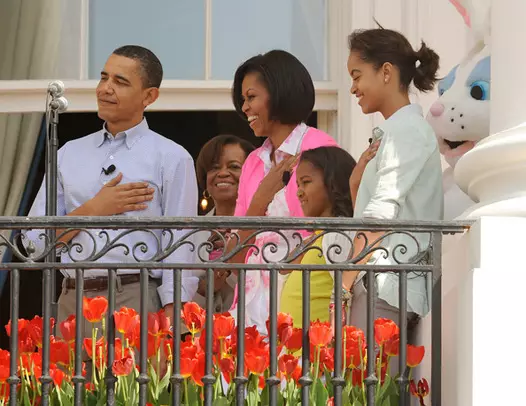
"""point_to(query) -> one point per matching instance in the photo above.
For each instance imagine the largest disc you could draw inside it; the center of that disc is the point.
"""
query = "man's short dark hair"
(152, 70)
(288, 82)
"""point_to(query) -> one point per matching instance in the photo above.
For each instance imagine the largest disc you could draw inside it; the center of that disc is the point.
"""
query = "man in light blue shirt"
(123, 169)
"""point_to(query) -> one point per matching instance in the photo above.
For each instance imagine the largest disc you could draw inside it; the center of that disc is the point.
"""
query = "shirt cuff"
(189, 286)
(381, 210)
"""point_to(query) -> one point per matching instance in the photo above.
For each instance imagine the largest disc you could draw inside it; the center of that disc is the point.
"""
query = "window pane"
(173, 30)
(244, 28)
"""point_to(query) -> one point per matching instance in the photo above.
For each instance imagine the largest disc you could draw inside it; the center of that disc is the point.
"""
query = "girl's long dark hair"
(337, 166)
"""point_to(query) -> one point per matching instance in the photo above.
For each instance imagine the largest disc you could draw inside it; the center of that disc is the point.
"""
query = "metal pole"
(57, 105)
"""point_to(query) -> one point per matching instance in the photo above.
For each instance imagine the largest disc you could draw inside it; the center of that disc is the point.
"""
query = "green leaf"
(164, 398)
(328, 379)
(281, 399)
(252, 398)
(221, 401)
(345, 397)
(166, 379)
(193, 394)
(320, 395)
(388, 389)
(91, 399)
(357, 403)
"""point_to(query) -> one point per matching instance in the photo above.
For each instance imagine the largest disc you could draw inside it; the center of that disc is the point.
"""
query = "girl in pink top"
(275, 93)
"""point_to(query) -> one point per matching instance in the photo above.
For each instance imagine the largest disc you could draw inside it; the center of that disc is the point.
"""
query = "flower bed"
(192, 360)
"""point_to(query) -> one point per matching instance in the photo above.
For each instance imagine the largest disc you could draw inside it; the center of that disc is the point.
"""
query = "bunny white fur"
(460, 116)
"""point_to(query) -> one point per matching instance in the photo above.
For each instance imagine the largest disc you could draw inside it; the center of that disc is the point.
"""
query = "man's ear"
(151, 95)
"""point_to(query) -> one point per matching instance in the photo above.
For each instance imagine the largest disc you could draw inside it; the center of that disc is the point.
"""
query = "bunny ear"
(477, 16)
(459, 5)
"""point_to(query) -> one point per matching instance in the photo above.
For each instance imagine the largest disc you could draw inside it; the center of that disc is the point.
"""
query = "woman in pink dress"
(274, 92)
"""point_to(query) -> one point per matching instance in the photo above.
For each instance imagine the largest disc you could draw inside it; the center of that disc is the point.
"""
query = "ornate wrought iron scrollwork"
(278, 246)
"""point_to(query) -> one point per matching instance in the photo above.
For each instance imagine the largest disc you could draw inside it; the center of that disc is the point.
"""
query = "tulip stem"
(362, 360)
(93, 357)
(379, 372)
(186, 391)
(344, 352)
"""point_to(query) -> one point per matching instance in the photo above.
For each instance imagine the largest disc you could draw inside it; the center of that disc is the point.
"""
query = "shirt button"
(111, 156)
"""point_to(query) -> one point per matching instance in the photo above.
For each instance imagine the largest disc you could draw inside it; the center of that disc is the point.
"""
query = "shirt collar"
(290, 146)
(132, 135)
(406, 110)
(398, 115)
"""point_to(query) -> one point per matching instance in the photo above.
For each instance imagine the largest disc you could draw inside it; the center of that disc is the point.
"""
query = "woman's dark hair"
(380, 45)
(211, 152)
(288, 83)
(337, 166)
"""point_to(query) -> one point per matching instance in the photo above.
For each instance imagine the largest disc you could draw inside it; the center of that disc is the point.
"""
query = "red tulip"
(125, 319)
(202, 342)
(257, 361)
(194, 317)
(35, 329)
(357, 377)
(59, 352)
(287, 364)
(415, 355)
(188, 349)
(296, 375)
(199, 369)
(100, 350)
(123, 366)
(22, 325)
(158, 324)
(353, 337)
(67, 329)
(420, 391)
(187, 366)
(25, 342)
(295, 341)
(261, 382)
(227, 367)
(95, 308)
(5, 359)
(352, 357)
(57, 375)
(252, 338)
(120, 351)
(284, 327)
(223, 325)
(32, 363)
(384, 330)
(392, 347)
(320, 334)
(327, 359)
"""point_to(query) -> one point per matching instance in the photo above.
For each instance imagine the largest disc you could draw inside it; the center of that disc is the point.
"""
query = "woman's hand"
(269, 186)
(357, 173)
(367, 155)
(220, 277)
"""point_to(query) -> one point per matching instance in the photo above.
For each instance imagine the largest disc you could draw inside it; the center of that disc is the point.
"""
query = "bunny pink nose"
(437, 109)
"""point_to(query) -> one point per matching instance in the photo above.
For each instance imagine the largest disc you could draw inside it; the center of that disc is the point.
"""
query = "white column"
(484, 296)
(494, 172)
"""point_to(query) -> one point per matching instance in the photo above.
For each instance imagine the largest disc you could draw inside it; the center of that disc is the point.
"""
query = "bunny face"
(460, 117)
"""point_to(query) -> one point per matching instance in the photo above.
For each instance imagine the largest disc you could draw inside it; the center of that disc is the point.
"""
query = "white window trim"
(25, 96)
